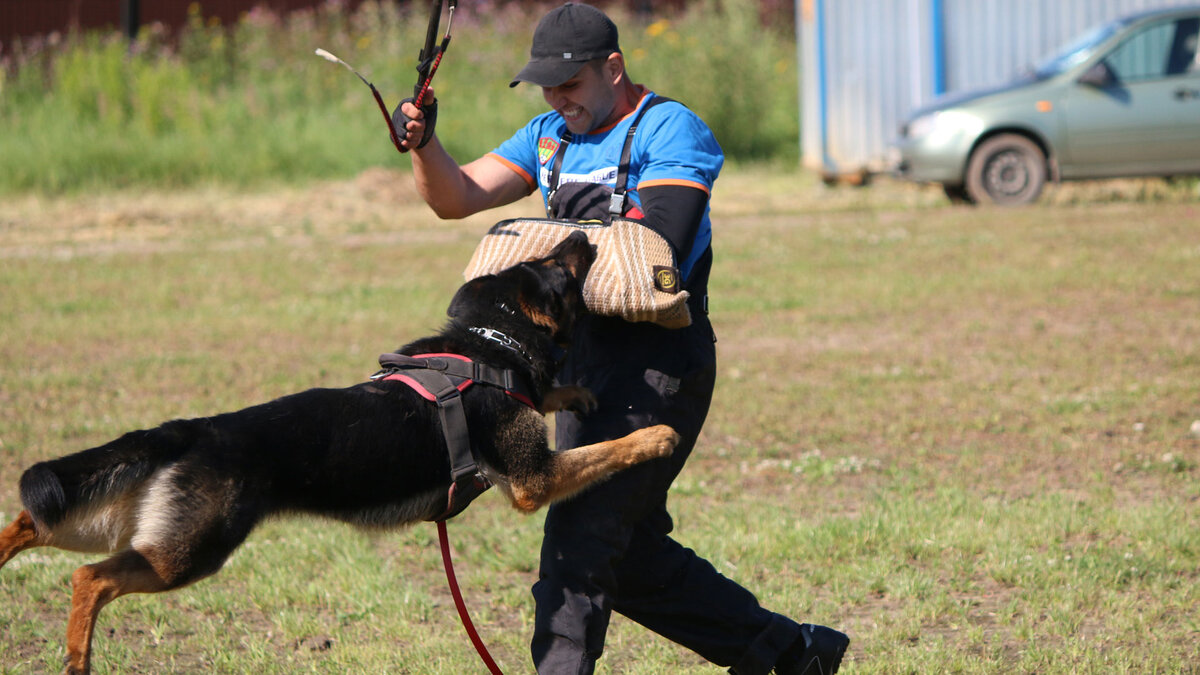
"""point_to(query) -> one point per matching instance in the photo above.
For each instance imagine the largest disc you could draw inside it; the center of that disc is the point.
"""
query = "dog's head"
(547, 292)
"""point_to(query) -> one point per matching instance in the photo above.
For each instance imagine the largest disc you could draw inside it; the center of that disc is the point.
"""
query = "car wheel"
(1008, 170)
(957, 194)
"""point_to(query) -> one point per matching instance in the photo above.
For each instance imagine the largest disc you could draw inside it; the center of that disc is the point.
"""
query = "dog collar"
(501, 339)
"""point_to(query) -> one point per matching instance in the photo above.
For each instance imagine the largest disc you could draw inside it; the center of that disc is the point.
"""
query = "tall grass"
(251, 104)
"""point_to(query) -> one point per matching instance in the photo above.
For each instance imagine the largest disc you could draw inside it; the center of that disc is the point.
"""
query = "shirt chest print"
(546, 148)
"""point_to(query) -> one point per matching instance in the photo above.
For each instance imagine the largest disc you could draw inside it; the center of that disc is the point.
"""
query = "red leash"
(458, 601)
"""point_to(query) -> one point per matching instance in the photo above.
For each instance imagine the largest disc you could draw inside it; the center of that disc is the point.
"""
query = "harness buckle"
(616, 203)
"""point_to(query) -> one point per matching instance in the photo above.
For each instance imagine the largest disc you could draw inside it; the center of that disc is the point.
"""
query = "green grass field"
(967, 437)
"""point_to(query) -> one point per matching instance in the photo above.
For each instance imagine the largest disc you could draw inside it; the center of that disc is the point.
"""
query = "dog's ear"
(576, 253)
(464, 299)
(539, 298)
(551, 292)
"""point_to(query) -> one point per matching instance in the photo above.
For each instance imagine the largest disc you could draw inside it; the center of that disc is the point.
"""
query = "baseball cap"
(563, 41)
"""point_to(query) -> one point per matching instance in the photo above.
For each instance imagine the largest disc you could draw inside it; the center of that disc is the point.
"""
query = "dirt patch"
(380, 206)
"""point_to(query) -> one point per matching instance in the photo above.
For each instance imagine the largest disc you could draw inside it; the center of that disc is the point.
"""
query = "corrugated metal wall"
(866, 64)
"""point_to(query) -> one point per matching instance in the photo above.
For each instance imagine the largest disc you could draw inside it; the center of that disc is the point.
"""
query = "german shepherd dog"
(172, 503)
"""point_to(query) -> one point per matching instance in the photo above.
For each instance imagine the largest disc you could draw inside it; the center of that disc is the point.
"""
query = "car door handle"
(1185, 94)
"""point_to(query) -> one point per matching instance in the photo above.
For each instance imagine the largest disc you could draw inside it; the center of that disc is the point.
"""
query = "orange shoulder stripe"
(676, 182)
(518, 170)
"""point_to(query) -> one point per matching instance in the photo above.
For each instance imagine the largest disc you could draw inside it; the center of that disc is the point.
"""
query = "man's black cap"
(564, 40)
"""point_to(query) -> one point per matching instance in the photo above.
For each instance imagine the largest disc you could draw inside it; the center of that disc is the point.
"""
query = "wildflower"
(657, 28)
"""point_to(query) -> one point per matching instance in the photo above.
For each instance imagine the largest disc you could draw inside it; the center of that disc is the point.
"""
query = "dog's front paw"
(656, 441)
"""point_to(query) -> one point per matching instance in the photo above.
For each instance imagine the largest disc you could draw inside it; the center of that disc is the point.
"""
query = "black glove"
(400, 120)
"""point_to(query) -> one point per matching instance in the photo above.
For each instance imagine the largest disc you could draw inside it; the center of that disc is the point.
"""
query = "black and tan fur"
(172, 503)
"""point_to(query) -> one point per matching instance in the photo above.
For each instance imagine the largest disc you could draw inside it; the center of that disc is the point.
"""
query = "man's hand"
(415, 125)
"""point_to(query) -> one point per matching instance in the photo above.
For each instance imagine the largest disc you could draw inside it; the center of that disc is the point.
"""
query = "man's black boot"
(818, 651)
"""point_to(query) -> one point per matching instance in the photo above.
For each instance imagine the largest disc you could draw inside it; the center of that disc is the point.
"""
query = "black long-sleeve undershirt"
(675, 212)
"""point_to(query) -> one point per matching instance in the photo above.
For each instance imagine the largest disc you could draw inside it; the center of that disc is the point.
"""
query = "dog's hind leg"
(185, 533)
(20, 534)
(150, 569)
(97, 585)
(572, 470)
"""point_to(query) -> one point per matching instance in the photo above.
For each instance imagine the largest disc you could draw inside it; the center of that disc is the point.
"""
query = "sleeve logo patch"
(666, 279)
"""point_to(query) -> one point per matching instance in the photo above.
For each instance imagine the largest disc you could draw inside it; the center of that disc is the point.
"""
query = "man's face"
(587, 100)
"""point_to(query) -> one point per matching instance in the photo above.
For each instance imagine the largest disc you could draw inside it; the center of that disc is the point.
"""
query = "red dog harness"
(441, 379)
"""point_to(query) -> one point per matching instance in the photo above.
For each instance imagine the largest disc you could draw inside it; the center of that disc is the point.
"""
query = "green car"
(1122, 100)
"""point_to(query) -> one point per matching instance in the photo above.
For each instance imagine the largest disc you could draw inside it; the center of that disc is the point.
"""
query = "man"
(608, 548)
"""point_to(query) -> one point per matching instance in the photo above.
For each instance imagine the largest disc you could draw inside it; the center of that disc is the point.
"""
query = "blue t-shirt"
(672, 146)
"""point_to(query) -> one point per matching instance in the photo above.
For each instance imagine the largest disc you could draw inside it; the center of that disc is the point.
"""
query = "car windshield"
(1076, 52)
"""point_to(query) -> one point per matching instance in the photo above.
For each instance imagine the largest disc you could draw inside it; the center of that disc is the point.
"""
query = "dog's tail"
(50, 490)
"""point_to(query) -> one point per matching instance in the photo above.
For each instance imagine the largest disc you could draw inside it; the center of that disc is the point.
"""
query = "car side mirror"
(1099, 76)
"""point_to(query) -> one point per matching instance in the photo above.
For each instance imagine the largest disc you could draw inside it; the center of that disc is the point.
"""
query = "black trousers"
(609, 548)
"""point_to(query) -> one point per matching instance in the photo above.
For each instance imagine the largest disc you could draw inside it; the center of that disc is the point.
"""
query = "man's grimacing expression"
(588, 100)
